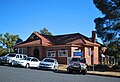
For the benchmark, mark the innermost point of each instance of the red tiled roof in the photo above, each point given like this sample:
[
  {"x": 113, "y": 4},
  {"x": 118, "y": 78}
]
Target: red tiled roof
[
  {"x": 24, "y": 44},
  {"x": 47, "y": 40}
]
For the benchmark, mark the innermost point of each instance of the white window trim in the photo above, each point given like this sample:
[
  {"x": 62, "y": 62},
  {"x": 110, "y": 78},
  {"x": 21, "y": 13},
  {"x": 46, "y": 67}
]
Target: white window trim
[
  {"x": 51, "y": 56},
  {"x": 66, "y": 55},
  {"x": 89, "y": 52}
]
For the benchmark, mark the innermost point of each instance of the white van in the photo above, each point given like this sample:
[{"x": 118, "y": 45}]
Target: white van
[{"x": 10, "y": 58}]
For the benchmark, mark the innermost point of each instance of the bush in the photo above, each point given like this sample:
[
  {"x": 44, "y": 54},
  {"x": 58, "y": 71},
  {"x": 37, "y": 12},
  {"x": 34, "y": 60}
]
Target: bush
[
  {"x": 119, "y": 62},
  {"x": 90, "y": 68},
  {"x": 115, "y": 67},
  {"x": 100, "y": 67},
  {"x": 3, "y": 51}
]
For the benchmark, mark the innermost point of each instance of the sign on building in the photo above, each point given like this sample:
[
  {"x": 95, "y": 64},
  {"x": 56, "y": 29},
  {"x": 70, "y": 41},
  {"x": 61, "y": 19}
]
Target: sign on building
[{"x": 77, "y": 53}]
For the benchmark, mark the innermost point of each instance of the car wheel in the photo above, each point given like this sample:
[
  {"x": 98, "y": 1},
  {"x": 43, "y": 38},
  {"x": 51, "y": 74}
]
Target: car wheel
[
  {"x": 1, "y": 63},
  {"x": 55, "y": 69},
  {"x": 27, "y": 65},
  {"x": 69, "y": 70},
  {"x": 12, "y": 63},
  {"x": 39, "y": 68},
  {"x": 84, "y": 72}
]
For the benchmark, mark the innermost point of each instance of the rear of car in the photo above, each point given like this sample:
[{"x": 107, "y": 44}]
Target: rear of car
[
  {"x": 77, "y": 64},
  {"x": 49, "y": 63}
]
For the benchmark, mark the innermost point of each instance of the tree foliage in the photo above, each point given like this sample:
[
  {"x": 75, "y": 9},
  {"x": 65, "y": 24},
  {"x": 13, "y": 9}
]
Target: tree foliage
[
  {"x": 45, "y": 32},
  {"x": 0, "y": 39},
  {"x": 8, "y": 41},
  {"x": 108, "y": 26},
  {"x": 19, "y": 40},
  {"x": 113, "y": 49}
]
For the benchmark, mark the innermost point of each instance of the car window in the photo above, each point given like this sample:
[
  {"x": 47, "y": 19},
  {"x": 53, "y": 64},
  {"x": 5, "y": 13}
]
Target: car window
[
  {"x": 28, "y": 59},
  {"x": 48, "y": 60},
  {"x": 78, "y": 60},
  {"x": 17, "y": 56},
  {"x": 24, "y": 56},
  {"x": 11, "y": 55},
  {"x": 35, "y": 60},
  {"x": 20, "y": 56}
]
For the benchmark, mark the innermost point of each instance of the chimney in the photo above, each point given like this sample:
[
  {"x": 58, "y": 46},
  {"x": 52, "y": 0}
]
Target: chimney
[{"x": 94, "y": 36}]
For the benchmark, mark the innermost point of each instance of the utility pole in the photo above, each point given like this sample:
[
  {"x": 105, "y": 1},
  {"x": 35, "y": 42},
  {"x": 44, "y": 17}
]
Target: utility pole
[{"x": 93, "y": 59}]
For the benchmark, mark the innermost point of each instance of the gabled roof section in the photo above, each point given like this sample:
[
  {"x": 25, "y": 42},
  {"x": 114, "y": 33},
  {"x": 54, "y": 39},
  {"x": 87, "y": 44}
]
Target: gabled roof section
[
  {"x": 75, "y": 38},
  {"x": 35, "y": 39},
  {"x": 32, "y": 37},
  {"x": 69, "y": 39},
  {"x": 27, "y": 44},
  {"x": 47, "y": 40}
]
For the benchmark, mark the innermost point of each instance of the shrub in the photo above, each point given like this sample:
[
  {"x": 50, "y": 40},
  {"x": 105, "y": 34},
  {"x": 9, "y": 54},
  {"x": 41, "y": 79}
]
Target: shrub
[{"x": 100, "y": 67}]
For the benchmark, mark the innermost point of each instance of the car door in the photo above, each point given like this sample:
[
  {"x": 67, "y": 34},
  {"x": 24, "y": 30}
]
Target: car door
[{"x": 34, "y": 62}]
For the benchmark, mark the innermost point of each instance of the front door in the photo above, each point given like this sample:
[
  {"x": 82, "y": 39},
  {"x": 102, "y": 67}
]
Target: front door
[{"x": 36, "y": 53}]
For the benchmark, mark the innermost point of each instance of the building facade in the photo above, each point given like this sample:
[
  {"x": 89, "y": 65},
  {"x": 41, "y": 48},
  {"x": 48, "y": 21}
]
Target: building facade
[{"x": 61, "y": 47}]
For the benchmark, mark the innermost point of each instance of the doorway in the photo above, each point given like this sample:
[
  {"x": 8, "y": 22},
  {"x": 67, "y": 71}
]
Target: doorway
[{"x": 36, "y": 53}]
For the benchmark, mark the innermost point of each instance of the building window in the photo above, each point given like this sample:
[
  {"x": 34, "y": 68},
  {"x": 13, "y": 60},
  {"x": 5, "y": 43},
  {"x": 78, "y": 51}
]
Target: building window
[
  {"x": 78, "y": 50},
  {"x": 51, "y": 53},
  {"x": 63, "y": 53},
  {"x": 89, "y": 52}
]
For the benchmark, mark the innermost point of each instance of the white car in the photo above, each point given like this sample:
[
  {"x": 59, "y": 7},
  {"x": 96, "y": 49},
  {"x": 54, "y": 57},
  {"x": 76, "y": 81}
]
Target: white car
[
  {"x": 28, "y": 62},
  {"x": 49, "y": 63},
  {"x": 10, "y": 58}
]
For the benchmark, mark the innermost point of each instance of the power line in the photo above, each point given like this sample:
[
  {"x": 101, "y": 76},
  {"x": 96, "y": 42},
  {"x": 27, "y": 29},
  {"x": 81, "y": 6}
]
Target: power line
[{"x": 12, "y": 28}]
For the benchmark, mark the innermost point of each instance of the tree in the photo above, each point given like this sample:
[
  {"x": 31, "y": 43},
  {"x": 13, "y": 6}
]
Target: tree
[
  {"x": 108, "y": 26},
  {"x": 45, "y": 32},
  {"x": 0, "y": 39},
  {"x": 19, "y": 40},
  {"x": 8, "y": 41}
]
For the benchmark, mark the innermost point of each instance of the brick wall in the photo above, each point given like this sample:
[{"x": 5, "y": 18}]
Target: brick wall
[
  {"x": 61, "y": 60},
  {"x": 96, "y": 55},
  {"x": 87, "y": 55}
]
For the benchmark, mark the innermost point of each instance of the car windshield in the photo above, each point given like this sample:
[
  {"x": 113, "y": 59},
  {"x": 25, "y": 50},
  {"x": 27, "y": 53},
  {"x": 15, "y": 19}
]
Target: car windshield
[
  {"x": 11, "y": 55},
  {"x": 49, "y": 60},
  {"x": 24, "y": 58},
  {"x": 82, "y": 60},
  {"x": 28, "y": 59}
]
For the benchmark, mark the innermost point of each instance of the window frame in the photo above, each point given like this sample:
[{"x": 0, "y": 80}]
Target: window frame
[
  {"x": 51, "y": 55},
  {"x": 89, "y": 52},
  {"x": 62, "y": 51}
]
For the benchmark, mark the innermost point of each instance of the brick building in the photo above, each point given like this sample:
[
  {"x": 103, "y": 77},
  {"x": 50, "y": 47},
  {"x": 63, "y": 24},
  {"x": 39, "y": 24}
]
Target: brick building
[{"x": 61, "y": 47}]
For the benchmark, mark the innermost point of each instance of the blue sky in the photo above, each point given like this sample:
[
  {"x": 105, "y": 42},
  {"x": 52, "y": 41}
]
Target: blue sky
[{"x": 22, "y": 17}]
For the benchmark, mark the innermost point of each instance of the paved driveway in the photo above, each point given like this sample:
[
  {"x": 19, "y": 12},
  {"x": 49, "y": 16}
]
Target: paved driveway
[{"x": 14, "y": 74}]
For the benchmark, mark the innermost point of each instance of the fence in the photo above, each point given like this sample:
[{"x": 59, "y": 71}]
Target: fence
[{"x": 109, "y": 60}]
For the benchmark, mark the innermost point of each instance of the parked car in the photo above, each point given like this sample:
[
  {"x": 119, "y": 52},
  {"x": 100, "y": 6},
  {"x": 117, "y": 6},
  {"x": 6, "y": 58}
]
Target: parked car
[
  {"x": 10, "y": 58},
  {"x": 49, "y": 63},
  {"x": 27, "y": 62},
  {"x": 77, "y": 64}
]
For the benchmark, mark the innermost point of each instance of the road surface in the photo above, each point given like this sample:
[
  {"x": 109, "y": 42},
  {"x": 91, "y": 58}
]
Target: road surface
[{"x": 15, "y": 74}]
